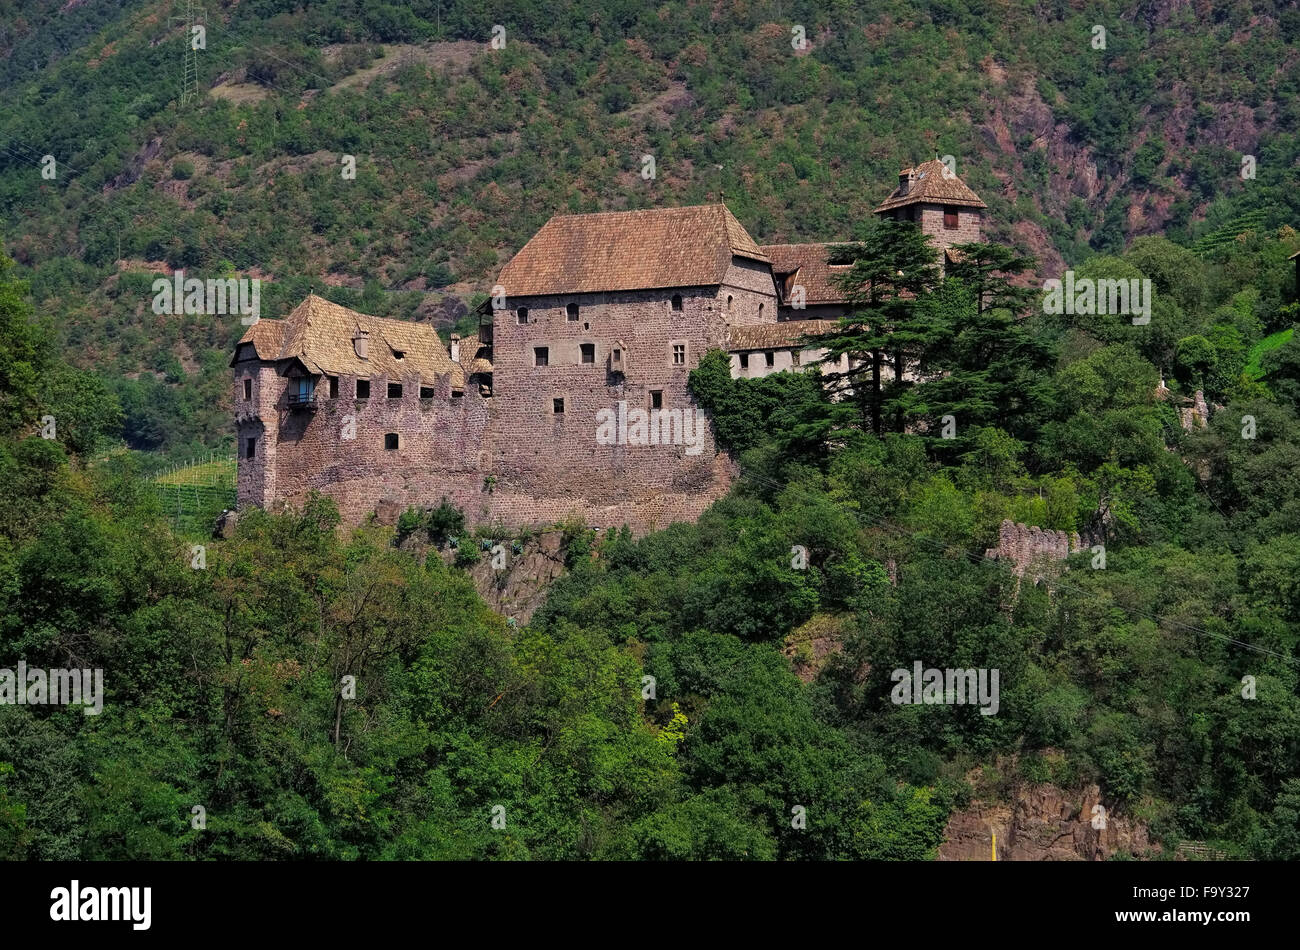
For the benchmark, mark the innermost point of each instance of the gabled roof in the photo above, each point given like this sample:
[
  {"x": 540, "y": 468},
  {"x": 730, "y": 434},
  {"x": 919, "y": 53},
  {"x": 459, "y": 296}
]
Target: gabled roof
[
  {"x": 806, "y": 265},
  {"x": 629, "y": 250},
  {"x": 319, "y": 335},
  {"x": 770, "y": 336},
  {"x": 931, "y": 186}
]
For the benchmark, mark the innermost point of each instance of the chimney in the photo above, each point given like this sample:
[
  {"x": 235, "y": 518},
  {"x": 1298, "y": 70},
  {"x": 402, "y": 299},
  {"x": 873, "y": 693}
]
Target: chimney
[
  {"x": 905, "y": 179},
  {"x": 455, "y": 347},
  {"x": 361, "y": 343}
]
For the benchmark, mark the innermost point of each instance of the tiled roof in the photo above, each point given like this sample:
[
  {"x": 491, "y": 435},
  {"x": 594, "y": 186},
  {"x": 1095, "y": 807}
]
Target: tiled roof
[
  {"x": 629, "y": 250},
  {"x": 319, "y": 334},
  {"x": 473, "y": 356},
  {"x": 806, "y": 265},
  {"x": 931, "y": 186},
  {"x": 770, "y": 336},
  {"x": 267, "y": 336}
]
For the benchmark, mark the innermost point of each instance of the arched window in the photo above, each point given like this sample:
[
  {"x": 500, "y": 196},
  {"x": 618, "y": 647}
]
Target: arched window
[{"x": 728, "y": 303}]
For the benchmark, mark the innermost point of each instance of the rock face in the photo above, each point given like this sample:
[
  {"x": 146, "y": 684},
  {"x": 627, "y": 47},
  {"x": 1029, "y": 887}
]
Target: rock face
[
  {"x": 1034, "y": 552},
  {"x": 1044, "y": 823},
  {"x": 518, "y": 589}
]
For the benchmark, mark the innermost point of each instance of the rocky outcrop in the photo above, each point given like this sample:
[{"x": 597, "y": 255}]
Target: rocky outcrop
[
  {"x": 1045, "y": 823},
  {"x": 520, "y": 587}
]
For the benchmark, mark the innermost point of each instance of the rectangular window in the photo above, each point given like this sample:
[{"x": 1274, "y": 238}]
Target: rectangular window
[
  {"x": 589, "y": 352},
  {"x": 571, "y": 311},
  {"x": 770, "y": 358},
  {"x": 679, "y": 354},
  {"x": 541, "y": 356},
  {"x": 363, "y": 389},
  {"x": 394, "y": 390},
  {"x": 390, "y": 441},
  {"x": 250, "y": 448},
  {"x": 426, "y": 392},
  {"x": 458, "y": 394},
  {"x": 522, "y": 315},
  {"x": 950, "y": 217},
  {"x": 557, "y": 406},
  {"x": 334, "y": 387},
  {"x": 248, "y": 389},
  {"x": 656, "y": 399},
  {"x": 744, "y": 361}
]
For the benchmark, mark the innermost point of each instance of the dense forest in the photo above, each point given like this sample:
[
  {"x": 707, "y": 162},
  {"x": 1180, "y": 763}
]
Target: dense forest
[{"x": 652, "y": 707}]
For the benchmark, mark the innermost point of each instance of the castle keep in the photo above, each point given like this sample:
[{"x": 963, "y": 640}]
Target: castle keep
[{"x": 597, "y": 321}]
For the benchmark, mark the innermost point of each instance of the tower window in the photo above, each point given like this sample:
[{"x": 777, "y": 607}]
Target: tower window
[
  {"x": 557, "y": 406},
  {"x": 522, "y": 314},
  {"x": 572, "y": 311},
  {"x": 363, "y": 389},
  {"x": 679, "y": 354},
  {"x": 390, "y": 441},
  {"x": 950, "y": 217},
  {"x": 729, "y": 298},
  {"x": 248, "y": 389},
  {"x": 656, "y": 399},
  {"x": 394, "y": 390},
  {"x": 334, "y": 387},
  {"x": 588, "y": 352},
  {"x": 770, "y": 358},
  {"x": 250, "y": 448},
  {"x": 541, "y": 356},
  {"x": 744, "y": 361},
  {"x": 677, "y": 302},
  {"x": 426, "y": 392}
]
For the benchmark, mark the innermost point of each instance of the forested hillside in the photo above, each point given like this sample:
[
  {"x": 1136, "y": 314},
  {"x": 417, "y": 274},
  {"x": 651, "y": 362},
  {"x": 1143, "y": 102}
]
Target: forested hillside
[
  {"x": 463, "y": 151},
  {"x": 691, "y": 693}
]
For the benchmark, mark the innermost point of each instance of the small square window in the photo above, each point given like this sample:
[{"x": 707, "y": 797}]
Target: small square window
[
  {"x": 679, "y": 354},
  {"x": 744, "y": 361},
  {"x": 248, "y": 389},
  {"x": 250, "y": 448},
  {"x": 557, "y": 406},
  {"x": 426, "y": 392},
  {"x": 656, "y": 399},
  {"x": 458, "y": 394},
  {"x": 589, "y": 352},
  {"x": 541, "y": 356},
  {"x": 522, "y": 314},
  {"x": 770, "y": 358},
  {"x": 363, "y": 389},
  {"x": 572, "y": 311},
  {"x": 334, "y": 387},
  {"x": 390, "y": 441},
  {"x": 394, "y": 390}
]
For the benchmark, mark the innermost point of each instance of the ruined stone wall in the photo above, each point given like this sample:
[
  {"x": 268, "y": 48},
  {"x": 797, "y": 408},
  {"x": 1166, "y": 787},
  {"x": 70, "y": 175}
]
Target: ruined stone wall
[{"x": 1034, "y": 552}]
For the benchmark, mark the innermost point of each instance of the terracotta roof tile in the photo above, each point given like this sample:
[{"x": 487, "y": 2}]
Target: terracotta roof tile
[
  {"x": 320, "y": 334},
  {"x": 629, "y": 250},
  {"x": 931, "y": 186},
  {"x": 768, "y": 336},
  {"x": 267, "y": 336},
  {"x": 806, "y": 265}
]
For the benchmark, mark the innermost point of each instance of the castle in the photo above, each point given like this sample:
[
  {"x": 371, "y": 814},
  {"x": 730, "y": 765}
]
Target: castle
[{"x": 596, "y": 322}]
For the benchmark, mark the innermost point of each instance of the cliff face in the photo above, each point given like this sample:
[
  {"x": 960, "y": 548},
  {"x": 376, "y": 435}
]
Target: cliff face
[{"x": 1044, "y": 823}]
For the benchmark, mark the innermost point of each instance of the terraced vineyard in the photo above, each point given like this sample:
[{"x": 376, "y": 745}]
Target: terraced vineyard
[{"x": 194, "y": 495}]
